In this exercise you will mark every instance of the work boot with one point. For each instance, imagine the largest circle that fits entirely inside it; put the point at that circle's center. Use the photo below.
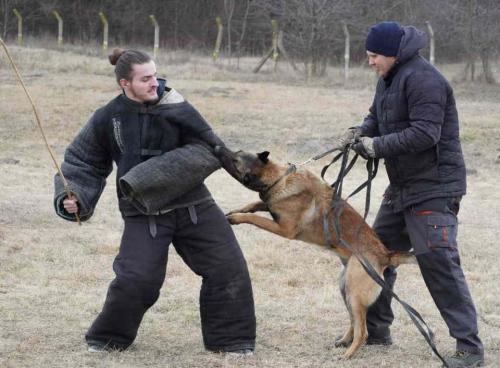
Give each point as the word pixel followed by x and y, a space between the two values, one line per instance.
pixel 240 353
pixel 464 359
pixel 379 340
pixel 96 346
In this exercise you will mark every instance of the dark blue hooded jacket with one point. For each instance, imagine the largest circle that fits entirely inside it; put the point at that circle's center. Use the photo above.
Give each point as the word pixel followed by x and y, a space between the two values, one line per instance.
pixel 414 122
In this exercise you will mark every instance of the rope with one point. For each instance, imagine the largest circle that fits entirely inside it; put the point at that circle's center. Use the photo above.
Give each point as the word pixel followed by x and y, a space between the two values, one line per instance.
pixel 39 124
pixel 318 156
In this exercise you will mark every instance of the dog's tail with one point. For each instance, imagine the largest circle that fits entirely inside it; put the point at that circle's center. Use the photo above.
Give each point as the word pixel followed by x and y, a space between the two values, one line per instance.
pixel 397 258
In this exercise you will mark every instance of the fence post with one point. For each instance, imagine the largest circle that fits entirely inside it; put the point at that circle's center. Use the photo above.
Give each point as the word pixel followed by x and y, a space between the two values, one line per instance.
pixel 431 37
pixel 281 48
pixel 60 27
pixel 19 27
pixel 274 26
pixel 347 52
pixel 218 42
pixel 157 35
pixel 105 32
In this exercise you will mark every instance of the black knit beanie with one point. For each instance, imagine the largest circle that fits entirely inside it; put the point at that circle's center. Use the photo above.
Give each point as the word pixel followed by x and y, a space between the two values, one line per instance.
pixel 384 38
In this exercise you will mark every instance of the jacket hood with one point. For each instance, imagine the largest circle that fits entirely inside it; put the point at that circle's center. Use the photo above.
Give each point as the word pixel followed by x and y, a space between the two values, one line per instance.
pixel 162 87
pixel 412 41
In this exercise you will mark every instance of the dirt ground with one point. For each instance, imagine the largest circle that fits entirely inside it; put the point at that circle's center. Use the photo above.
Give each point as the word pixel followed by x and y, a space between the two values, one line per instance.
pixel 54 274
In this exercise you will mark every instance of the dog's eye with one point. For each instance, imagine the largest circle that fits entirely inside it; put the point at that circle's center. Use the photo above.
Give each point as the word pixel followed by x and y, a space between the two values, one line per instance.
pixel 247 178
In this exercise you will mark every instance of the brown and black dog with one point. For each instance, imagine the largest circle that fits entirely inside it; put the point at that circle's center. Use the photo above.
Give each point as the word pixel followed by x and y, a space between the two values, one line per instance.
pixel 298 202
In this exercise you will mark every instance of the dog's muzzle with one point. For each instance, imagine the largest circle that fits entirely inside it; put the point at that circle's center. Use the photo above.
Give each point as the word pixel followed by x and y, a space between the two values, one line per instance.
pixel 226 158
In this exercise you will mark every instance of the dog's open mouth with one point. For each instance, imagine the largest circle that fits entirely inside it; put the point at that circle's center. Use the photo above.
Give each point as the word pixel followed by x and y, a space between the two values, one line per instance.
pixel 228 160
pixel 239 165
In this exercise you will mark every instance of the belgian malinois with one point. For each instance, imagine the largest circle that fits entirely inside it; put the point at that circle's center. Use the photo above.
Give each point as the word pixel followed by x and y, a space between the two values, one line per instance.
pixel 298 201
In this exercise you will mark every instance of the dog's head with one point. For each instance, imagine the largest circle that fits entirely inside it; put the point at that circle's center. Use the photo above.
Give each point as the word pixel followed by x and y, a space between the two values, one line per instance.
pixel 248 168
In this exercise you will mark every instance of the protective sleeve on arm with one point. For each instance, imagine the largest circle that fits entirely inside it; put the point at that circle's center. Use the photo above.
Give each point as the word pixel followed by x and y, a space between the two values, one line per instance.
pixel 86 166
pixel 153 184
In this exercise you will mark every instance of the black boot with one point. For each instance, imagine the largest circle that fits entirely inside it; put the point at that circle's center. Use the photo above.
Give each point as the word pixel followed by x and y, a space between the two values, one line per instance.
pixel 464 359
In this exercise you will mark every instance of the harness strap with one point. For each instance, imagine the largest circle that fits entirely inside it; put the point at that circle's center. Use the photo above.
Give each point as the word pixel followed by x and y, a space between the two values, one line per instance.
pixel 153 230
pixel 192 214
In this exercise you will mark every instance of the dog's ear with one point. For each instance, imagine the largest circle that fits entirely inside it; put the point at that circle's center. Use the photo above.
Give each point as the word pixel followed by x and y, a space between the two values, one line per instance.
pixel 263 156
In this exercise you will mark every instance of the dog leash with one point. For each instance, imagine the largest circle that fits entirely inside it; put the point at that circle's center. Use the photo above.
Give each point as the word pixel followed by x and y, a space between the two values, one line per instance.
pixel 317 157
pixel 337 206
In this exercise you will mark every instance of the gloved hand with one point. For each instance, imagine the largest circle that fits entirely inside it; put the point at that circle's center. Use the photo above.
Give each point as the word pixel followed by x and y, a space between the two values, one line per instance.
pixel 348 137
pixel 363 146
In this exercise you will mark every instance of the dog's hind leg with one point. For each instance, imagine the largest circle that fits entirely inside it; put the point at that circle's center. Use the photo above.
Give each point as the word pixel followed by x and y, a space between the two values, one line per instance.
pixel 346 339
pixel 361 292
pixel 358 327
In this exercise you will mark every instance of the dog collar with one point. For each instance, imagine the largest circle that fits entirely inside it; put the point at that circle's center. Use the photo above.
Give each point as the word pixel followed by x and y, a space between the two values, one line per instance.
pixel 291 169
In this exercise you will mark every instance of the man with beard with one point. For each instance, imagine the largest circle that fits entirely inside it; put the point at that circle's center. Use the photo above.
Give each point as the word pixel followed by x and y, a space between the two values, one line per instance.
pixel 163 150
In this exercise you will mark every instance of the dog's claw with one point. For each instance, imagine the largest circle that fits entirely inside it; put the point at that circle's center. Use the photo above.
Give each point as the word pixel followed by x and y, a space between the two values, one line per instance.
pixel 231 218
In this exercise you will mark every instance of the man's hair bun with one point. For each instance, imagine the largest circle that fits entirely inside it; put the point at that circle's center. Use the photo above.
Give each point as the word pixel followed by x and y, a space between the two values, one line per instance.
pixel 124 61
pixel 113 58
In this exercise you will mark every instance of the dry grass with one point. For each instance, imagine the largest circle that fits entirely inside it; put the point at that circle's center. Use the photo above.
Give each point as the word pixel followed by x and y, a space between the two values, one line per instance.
pixel 54 274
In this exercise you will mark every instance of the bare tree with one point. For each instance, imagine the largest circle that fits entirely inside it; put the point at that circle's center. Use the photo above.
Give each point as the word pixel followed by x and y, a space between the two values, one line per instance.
pixel 465 30
pixel 5 8
pixel 313 32
pixel 487 29
pixel 229 11
pixel 242 33
pixel 473 26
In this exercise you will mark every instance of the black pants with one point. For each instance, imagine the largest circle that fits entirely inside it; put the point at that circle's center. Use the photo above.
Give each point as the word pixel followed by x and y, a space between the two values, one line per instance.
pixel 205 241
pixel 430 228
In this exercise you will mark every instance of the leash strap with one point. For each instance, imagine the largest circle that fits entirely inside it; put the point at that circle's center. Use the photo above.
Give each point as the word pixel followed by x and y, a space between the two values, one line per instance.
pixel 321 155
pixel 153 230
pixel 337 206
pixel 325 168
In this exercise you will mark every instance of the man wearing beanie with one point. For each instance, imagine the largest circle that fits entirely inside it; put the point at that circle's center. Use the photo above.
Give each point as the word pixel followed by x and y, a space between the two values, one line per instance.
pixel 413 126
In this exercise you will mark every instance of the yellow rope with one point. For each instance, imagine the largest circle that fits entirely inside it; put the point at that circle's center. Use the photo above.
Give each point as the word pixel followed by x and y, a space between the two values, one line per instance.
pixel 39 123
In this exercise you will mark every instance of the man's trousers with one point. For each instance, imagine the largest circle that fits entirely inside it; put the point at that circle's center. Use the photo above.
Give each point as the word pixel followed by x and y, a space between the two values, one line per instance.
pixel 204 239
pixel 430 228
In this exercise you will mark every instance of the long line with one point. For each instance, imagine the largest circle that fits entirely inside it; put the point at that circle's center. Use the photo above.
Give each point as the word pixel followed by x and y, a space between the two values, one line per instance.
pixel 39 124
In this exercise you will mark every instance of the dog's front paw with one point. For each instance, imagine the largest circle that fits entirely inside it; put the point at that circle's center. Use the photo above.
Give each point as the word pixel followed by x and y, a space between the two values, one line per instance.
pixel 341 343
pixel 234 218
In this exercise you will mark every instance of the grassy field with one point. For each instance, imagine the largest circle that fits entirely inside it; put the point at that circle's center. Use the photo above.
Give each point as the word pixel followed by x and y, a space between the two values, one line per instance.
pixel 54 274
